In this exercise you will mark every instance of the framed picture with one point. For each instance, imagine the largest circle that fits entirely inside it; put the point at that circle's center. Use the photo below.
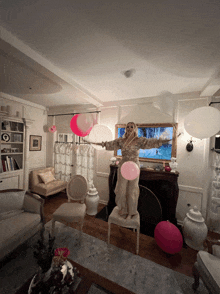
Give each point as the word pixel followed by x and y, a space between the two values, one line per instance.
pixel 35 143
pixel 161 154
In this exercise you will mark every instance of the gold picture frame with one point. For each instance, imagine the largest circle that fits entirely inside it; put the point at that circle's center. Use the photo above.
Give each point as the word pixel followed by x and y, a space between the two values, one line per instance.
pixel 35 143
pixel 120 129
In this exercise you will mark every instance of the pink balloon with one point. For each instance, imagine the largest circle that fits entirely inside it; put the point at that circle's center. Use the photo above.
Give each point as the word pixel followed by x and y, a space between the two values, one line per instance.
pixel 84 122
pixel 130 170
pixel 75 129
pixel 168 237
pixel 52 129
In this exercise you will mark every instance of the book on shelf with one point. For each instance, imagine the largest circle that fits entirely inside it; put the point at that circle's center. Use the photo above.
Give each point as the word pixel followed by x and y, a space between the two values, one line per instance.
pixel 4 165
pixel 15 163
pixel 9 164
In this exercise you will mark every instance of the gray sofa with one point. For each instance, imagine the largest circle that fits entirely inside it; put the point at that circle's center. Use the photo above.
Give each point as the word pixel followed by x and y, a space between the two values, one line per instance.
pixel 21 217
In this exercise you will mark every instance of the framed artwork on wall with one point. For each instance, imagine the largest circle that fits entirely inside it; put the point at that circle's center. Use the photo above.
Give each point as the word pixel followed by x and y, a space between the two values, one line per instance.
pixel 35 143
pixel 161 154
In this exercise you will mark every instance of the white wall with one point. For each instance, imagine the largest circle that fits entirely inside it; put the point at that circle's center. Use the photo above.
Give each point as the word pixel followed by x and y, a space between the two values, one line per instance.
pixel 192 166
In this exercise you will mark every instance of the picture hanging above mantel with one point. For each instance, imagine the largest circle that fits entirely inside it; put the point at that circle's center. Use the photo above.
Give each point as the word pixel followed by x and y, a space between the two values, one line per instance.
pixel 35 143
pixel 161 154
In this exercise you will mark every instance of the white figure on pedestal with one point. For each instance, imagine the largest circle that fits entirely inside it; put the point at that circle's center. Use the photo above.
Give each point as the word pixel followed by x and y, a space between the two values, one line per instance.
pixel 173 165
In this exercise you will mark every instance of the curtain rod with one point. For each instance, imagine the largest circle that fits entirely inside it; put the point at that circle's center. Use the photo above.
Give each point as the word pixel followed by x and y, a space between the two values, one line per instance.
pixel 73 113
pixel 73 143
pixel 213 103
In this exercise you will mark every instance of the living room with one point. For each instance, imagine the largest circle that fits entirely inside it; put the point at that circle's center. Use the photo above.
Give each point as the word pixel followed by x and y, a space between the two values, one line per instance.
pixel 118 88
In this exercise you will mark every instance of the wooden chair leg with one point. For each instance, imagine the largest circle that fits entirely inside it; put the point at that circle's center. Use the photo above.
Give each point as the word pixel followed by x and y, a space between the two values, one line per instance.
pixel 109 232
pixel 138 232
pixel 195 285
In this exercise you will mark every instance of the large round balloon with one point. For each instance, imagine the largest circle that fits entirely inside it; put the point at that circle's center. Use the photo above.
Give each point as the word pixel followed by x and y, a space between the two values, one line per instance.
pixel 75 129
pixel 130 170
pixel 84 122
pixel 203 122
pixel 98 134
pixel 168 237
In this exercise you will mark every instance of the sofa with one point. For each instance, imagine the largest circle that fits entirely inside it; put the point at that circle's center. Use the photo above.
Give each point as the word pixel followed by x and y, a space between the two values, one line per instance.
pixel 21 217
pixel 43 182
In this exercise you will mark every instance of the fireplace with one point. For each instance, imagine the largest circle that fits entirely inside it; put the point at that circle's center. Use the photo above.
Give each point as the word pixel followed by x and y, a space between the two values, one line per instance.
pixel 158 197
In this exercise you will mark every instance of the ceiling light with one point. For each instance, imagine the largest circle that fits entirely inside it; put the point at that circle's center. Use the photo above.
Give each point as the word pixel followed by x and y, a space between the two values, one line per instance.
pixel 129 73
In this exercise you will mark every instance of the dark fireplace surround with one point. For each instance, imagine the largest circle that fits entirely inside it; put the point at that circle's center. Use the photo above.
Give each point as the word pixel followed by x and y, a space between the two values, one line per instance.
pixel 158 197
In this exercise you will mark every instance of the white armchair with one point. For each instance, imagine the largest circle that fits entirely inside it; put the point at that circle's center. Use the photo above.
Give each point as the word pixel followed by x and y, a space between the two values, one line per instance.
pixel 207 267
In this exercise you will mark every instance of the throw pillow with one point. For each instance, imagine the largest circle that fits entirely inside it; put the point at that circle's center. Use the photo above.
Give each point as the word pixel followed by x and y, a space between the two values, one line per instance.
pixel 11 200
pixel 47 177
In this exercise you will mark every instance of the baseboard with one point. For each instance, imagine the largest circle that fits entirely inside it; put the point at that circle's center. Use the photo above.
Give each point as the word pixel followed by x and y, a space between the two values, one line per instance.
pixel 103 202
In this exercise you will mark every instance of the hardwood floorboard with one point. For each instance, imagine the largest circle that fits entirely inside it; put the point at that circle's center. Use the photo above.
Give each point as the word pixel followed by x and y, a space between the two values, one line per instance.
pixel 126 239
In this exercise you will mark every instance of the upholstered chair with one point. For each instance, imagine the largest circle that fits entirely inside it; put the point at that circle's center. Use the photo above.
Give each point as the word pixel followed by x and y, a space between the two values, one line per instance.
pixel 207 267
pixel 72 212
pixel 133 223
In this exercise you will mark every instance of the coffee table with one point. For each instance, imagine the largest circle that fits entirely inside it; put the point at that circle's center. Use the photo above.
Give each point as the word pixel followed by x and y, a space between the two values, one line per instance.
pixel 89 282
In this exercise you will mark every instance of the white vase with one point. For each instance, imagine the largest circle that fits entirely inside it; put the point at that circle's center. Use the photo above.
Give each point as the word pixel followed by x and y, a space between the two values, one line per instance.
pixel 92 201
pixel 194 229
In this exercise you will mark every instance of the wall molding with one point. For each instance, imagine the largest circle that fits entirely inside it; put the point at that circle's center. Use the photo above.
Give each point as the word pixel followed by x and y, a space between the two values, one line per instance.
pixel 101 174
pixel 103 202
pixel 191 189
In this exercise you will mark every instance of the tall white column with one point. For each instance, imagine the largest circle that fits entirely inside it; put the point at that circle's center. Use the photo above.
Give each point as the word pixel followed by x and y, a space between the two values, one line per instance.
pixel 28 123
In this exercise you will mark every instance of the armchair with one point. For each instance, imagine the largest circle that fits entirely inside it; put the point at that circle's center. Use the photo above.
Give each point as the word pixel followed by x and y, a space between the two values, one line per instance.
pixel 207 267
pixel 46 186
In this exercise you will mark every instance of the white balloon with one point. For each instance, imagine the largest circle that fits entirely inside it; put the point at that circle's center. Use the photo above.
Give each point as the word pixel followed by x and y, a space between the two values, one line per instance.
pixel 84 121
pixel 203 122
pixel 98 134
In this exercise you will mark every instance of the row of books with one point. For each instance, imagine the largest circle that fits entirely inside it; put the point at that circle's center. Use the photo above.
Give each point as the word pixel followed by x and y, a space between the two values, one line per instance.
pixel 9 164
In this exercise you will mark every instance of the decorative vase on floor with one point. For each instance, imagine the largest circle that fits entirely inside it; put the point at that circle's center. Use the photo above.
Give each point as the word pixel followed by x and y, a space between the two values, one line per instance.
pixel 194 229
pixel 92 201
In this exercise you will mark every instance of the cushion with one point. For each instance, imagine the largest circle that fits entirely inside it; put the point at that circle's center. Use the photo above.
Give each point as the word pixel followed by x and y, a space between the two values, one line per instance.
pixel 47 177
pixel 9 214
pixel 50 188
pixel 11 201
pixel 16 230
pixel 70 212
pixel 116 219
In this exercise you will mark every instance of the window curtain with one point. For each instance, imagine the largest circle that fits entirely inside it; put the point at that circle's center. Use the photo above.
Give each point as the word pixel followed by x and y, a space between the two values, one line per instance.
pixel 63 161
pixel 84 162
pixel 73 159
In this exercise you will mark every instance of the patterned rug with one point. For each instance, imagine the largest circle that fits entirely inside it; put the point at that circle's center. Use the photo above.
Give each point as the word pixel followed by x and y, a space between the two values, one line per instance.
pixel 132 272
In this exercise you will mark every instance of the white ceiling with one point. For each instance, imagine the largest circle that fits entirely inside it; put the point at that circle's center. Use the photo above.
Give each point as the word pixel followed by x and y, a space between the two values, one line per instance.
pixel 58 52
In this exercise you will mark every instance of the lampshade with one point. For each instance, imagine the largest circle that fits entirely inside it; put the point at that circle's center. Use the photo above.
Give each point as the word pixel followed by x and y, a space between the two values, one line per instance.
pixel 100 133
pixel 203 122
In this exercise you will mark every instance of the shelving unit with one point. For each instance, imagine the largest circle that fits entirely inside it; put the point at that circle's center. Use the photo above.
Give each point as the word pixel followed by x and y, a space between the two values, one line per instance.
pixel 11 152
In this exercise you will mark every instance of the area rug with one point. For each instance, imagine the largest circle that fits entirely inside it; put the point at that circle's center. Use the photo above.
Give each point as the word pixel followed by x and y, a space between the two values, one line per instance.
pixel 132 272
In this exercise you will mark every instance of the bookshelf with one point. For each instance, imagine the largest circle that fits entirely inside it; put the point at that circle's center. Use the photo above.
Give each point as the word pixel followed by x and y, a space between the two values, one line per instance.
pixel 11 152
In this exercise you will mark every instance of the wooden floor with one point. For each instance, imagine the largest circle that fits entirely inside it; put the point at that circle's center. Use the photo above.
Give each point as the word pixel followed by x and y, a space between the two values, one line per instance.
pixel 126 239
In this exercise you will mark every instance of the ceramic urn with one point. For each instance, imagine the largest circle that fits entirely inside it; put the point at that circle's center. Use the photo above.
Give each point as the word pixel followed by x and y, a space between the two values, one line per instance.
pixel 194 229
pixel 92 201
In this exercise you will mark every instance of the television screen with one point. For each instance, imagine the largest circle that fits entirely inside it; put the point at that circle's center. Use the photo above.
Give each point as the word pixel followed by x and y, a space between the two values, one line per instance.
pixel 163 153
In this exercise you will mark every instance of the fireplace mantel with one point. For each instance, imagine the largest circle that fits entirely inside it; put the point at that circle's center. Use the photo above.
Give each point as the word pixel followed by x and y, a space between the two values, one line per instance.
pixel 163 184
